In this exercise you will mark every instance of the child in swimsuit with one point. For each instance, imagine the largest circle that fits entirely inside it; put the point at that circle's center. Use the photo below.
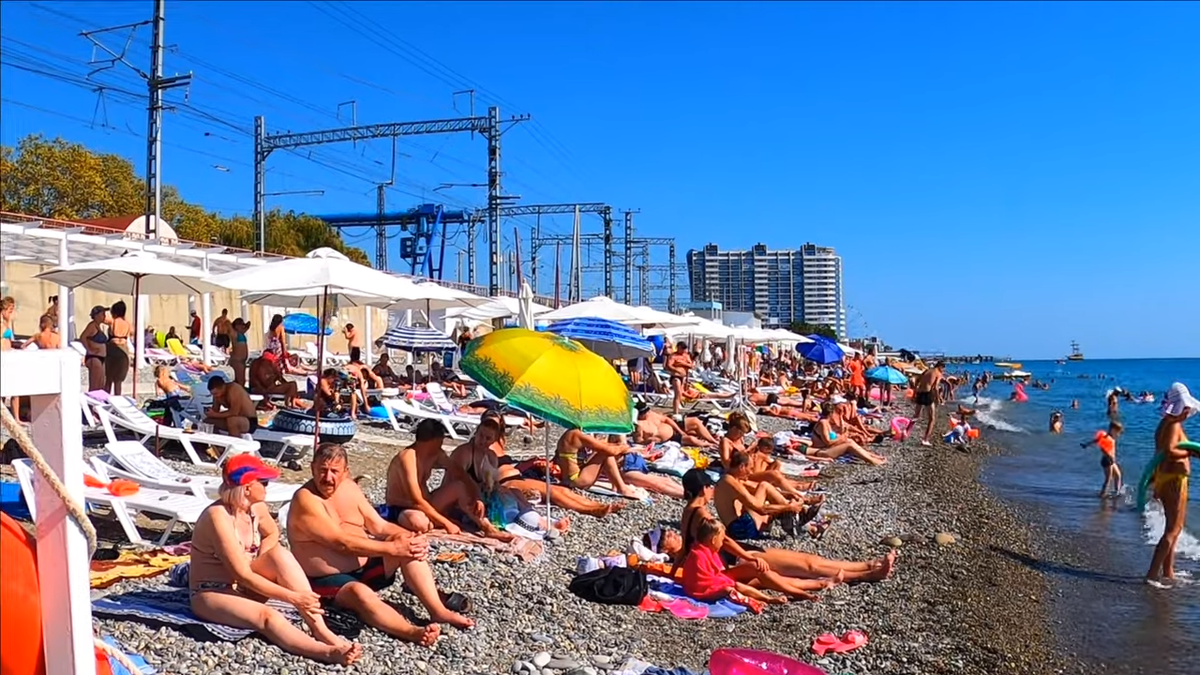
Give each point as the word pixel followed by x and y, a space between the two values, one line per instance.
pixel 1107 441
pixel 704 576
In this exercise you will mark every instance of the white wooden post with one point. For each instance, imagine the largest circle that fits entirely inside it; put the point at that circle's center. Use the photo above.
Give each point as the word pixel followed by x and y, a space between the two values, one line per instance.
pixel 66 301
pixel 368 333
pixel 205 317
pixel 50 378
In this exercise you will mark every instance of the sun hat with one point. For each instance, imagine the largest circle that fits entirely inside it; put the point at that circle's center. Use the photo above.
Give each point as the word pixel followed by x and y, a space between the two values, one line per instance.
pixel 246 468
pixel 1178 399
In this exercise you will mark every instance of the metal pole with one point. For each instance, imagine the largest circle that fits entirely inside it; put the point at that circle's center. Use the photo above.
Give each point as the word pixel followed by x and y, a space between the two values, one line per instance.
pixel 260 184
pixel 608 253
pixel 381 261
pixel 494 197
pixel 628 257
pixel 154 123
pixel 471 223
pixel 671 298
pixel 533 250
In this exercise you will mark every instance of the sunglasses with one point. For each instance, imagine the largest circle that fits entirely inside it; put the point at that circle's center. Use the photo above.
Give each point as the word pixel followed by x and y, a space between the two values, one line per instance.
pixel 263 482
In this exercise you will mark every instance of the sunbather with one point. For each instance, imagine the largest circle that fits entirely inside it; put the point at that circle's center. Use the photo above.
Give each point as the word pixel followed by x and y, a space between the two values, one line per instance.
pixel 383 369
pixel 765 469
pixel 796 564
pixel 232 410
pixel 603 458
pixel 169 386
pixel 237 563
pixel 487 448
pixel 749 512
pixel 787 412
pixel 636 472
pixel 410 502
pixel 447 378
pixel 827 443
pixel 266 379
pixel 363 376
pixel 349 553
pixel 654 427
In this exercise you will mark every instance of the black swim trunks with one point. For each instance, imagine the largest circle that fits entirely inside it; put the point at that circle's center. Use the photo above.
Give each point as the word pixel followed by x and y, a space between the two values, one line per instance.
pixel 1106 460
pixel 923 398
pixel 372 573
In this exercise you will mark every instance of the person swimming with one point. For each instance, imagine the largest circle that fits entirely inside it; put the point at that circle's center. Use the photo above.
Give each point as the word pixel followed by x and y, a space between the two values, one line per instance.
pixel 1056 422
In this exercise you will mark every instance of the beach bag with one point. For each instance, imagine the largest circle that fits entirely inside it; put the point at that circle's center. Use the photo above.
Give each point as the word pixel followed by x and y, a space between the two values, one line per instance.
pixel 611 586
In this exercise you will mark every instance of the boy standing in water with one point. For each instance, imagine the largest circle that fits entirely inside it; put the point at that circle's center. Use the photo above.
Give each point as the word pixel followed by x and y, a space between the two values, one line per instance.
pixel 1171 478
pixel 1107 440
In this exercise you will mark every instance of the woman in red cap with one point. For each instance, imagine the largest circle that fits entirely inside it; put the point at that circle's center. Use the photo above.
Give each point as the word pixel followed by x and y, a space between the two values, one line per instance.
pixel 238 564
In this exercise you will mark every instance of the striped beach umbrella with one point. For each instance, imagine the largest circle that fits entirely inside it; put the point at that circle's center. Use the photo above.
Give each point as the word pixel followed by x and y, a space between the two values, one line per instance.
pixel 607 338
pixel 417 339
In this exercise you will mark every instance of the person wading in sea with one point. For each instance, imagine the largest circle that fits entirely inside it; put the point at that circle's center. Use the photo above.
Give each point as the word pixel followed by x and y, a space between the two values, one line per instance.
pixel 1171 478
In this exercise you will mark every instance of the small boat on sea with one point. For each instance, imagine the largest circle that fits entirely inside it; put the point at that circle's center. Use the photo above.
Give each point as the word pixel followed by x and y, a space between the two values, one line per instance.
pixel 1007 364
pixel 1076 355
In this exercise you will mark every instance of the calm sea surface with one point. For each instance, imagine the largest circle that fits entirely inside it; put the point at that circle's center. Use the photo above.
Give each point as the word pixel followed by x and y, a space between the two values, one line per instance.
pixel 1094 551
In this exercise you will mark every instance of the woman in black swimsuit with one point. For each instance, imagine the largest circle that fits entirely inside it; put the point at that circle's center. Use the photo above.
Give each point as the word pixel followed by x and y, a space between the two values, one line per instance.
pixel 95 342
pixel 116 361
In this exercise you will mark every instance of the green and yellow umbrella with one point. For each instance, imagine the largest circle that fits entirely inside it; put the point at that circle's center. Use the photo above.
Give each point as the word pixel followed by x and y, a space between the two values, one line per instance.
pixel 553 377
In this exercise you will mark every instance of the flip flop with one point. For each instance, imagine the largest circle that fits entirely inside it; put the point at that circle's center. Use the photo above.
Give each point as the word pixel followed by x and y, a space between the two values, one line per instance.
pixel 824 643
pixel 852 640
pixel 451 557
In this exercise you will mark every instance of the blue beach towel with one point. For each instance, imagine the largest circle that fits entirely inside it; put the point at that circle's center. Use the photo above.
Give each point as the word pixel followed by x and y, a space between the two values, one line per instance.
pixel 136 659
pixel 166 608
pixel 721 609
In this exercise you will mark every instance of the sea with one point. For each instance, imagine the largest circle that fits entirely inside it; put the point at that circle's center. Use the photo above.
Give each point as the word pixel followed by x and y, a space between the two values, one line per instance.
pixel 1095 552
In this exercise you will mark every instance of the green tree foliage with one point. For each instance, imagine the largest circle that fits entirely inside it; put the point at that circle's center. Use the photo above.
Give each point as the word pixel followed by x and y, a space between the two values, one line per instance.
pixel 803 328
pixel 64 180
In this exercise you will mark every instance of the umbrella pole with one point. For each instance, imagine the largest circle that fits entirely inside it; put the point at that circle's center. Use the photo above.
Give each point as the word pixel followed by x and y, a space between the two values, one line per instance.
pixel 549 465
pixel 137 339
pixel 320 364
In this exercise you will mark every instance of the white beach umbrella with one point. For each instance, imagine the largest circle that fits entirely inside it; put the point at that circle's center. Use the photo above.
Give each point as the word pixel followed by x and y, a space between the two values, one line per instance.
pixel 429 296
pixel 312 298
pixel 496 308
pixel 599 307
pixel 655 318
pixel 133 274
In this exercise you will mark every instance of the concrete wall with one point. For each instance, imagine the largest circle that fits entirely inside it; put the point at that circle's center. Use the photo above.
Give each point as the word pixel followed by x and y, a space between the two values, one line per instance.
pixel 164 310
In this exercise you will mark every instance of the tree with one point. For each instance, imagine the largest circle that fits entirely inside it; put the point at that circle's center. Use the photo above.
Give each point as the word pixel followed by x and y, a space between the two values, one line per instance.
pixel 803 328
pixel 64 180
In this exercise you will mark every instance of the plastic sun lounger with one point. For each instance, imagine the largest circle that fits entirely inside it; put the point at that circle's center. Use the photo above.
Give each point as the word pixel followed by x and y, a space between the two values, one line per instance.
pixel 179 508
pixel 133 461
pixel 458 427
pixel 124 413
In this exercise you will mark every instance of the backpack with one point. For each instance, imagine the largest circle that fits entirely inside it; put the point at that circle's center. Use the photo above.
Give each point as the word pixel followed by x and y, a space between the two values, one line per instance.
pixel 611 586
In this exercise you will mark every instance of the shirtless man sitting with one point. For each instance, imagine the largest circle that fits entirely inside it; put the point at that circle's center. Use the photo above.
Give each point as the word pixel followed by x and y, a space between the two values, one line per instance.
pixel 383 369
pixel 655 427
pixel 350 553
pixel 604 457
pixel 232 410
pixel 409 501
pixel 749 515
pixel 266 379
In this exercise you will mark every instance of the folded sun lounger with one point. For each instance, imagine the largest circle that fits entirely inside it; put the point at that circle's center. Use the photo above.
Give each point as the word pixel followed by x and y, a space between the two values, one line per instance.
pixel 122 412
pixel 133 461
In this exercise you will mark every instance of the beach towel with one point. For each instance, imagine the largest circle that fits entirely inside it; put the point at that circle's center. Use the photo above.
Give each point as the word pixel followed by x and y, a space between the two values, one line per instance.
pixel 136 659
pixel 171 608
pixel 132 565
pixel 527 550
pixel 662 588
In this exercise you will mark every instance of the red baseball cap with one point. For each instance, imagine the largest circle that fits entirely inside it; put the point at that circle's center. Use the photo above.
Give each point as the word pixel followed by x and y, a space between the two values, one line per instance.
pixel 246 468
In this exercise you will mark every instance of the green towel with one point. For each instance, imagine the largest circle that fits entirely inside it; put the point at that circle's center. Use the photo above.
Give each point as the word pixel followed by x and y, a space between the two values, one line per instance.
pixel 1143 497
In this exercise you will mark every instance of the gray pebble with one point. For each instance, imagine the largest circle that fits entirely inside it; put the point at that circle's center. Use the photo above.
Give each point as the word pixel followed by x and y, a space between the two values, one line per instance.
pixel 563 664
pixel 541 659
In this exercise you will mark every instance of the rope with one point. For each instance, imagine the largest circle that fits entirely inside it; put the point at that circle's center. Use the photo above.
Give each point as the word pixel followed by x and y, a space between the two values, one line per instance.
pixel 74 509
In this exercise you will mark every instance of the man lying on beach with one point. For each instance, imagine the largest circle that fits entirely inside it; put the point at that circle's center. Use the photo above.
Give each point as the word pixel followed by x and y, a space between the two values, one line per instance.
pixel 487 448
pixel 411 505
pixel 749 515
pixel 603 458
pixel 232 410
pixel 926 397
pixel 636 472
pixel 349 553
pixel 655 427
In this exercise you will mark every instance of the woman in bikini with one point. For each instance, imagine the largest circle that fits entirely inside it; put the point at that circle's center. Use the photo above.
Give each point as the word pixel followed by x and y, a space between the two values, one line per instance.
pixel 1170 478
pixel 116 357
pixel 238 564
pixel 239 351
pixel 8 308
pixel 487 448
pixel 828 444
pixel 94 341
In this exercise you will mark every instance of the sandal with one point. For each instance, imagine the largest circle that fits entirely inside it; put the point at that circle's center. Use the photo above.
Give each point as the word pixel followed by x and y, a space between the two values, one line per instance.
pixel 455 602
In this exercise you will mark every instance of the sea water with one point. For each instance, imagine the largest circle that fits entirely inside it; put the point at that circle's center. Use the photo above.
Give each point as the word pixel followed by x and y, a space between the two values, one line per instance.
pixel 1095 552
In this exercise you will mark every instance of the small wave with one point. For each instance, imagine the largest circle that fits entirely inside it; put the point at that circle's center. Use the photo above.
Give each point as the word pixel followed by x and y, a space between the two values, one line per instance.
pixel 1153 524
pixel 989 420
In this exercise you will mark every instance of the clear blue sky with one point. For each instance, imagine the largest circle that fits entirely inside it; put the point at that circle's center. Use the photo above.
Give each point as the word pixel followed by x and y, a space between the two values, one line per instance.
pixel 1000 178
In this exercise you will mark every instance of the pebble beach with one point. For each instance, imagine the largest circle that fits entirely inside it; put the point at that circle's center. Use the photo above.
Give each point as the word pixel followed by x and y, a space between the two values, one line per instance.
pixel 961 599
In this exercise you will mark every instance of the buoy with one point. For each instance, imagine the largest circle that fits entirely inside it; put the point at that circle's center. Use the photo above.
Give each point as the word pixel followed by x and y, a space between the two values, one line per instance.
pixel 756 662
pixel 20 603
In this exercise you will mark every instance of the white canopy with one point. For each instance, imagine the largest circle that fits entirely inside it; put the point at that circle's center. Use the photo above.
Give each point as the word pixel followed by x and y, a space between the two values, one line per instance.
pixel 701 328
pixel 654 318
pixel 428 296
pixel 599 307
pixel 130 274
pixel 495 308
pixel 322 268
pixel 311 298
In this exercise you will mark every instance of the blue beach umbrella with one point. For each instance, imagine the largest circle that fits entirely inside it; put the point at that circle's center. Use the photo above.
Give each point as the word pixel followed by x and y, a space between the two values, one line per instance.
pixel 821 350
pixel 887 375
pixel 302 324
pixel 609 339
pixel 418 340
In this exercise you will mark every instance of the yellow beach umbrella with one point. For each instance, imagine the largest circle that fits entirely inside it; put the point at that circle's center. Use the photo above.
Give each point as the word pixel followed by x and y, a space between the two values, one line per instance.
pixel 552 377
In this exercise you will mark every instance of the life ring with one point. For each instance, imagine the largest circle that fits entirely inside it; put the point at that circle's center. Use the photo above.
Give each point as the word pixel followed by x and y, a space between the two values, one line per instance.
pixel 334 429
pixel 900 427
pixel 20 603
pixel 756 662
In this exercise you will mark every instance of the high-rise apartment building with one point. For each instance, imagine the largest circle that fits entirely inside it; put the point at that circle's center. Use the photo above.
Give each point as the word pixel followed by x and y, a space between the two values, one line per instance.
pixel 803 284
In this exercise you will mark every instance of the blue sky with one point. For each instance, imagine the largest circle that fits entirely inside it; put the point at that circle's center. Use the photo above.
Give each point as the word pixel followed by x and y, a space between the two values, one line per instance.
pixel 1001 178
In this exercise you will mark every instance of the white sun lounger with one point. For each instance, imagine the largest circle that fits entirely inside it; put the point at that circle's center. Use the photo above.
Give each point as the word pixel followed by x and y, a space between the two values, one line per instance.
pixel 133 461
pixel 122 412
pixel 179 508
